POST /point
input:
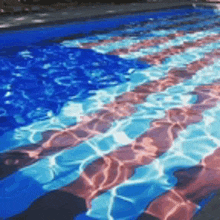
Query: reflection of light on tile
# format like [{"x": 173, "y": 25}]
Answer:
[
  {"x": 122, "y": 138},
  {"x": 20, "y": 19},
  {"x": 65, "y": 13},
  {"x": 4, "y": 25},
  {"x": 38, "y": 21},
  {"x": 2, "y": 112}
]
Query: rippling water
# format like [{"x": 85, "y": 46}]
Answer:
[
  {"x": 121, "y": 125},
  {"x": 36, "y": 83}
]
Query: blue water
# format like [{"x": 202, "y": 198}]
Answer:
[
  {"x": 37, "y": 82},
  {"x": 45, "y": 85}
]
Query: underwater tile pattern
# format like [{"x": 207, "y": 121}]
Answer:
[{"x": 122, "y": 125}]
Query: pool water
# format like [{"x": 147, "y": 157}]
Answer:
[{"x": 119, "y": 125}]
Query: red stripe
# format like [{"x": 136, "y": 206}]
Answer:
[
  {"x": 146, "y": 43},
  {"x": 158, "y": 58},
  {"x": 123, "y": 106},
  {"x": 181, "y": 202},
  {"x": 118, "y": 166}
]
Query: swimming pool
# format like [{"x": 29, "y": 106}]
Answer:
[{"x": 120, "y": 124}]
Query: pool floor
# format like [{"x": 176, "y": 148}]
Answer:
[{"x": 115, "y": 125}]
